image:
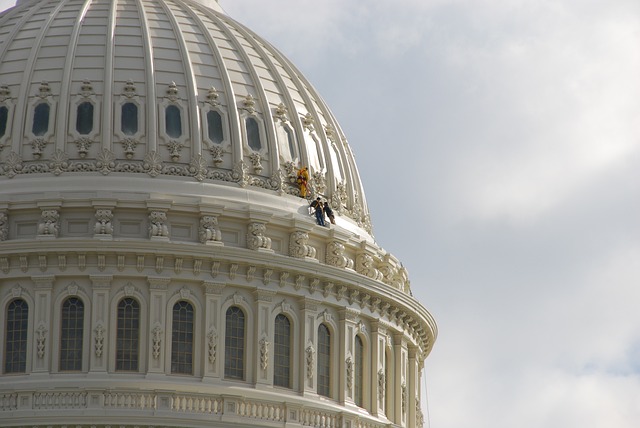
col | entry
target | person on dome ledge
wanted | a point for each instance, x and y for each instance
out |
(317, 206)
(302, 180)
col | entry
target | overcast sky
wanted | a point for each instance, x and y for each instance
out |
(499, 145)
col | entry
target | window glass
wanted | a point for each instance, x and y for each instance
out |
(71, 332)
(253, 134)
(84, 118)
(282, 352)
(15, 345)
(4, 117)
(214, 125)
(127, 335)
(358, 372)
(173, 122)
(290, 140)
(182, 338)
(324, 361)
(234, 343)
(129, 119)
(40, 119)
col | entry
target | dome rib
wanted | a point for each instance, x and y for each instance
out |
(190, 83)
(150, 89)
(67, 76)
(108, 95)
(229, 94)
(23, 97)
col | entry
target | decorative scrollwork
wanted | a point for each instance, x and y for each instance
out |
(298, 247)
(256, 238)
(99, 340)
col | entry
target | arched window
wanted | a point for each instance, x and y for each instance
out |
(234, 343)
(4, 117)
(71, 334)
(40, 119)
(182, 338)
(173, 122)
(253, 134)
(84, 118)
(214, 126)
(15, 344)
(388, 381)
(129, 119)
(128, 335)
(324, 361)
(358, 372)
(282, 352)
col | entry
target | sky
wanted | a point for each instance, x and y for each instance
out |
(499, 146)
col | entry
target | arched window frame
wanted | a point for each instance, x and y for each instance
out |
(359, 371)
(245, 334)
(238, 299)
(194, 335)
(144, 331)
(165, 352)
(4, 337)
(82, 364)
(131, 333)
(332, 358)
(389, 381)
(71, 290)
(292, 367)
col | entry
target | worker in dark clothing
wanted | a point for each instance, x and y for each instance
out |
(317, 206)
(329, 212)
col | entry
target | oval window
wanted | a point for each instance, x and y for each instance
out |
(41, 119)
(214, 125)
(129, 119)
(253, 134)
(84, 118)
(173, 123)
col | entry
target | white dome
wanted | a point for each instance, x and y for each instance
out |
(176, 61)
(158, 266)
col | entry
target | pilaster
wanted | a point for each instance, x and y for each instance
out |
(264, 336)
(308, 345)
(158, 287)
(99, 347)
(213, 336)
(42, 323)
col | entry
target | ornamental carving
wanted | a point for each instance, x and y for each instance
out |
(256, 238)
(212, 338)
(319, 182)
(403, 392)
(365, 266)
(129, 146)
(256, 162)
(37, 147)
(83, 144)
(41, 339)
(157, 340)
(280, 112)
(129, 89)
(264, 353)
(4, 226)
(157, 224)
(335, 256)
(99, 339)
(44, 90)
(172, 91)
(298, 247)
(216, 154)
(175, 147)
(103, 224)
(105, 161)
(48, 225)
(240, 174)
(382, 386)
(307, 122)
(349, 372)
(152, 164)
(310, 357)
(198, 168)
(212, 97)
(209, 231)
(86, 89)
(5, 93)
(248, 104)
(59, 162)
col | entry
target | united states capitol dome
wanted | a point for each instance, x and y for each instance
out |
(159, 264)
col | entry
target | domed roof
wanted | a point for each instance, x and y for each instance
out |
(169, 90)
